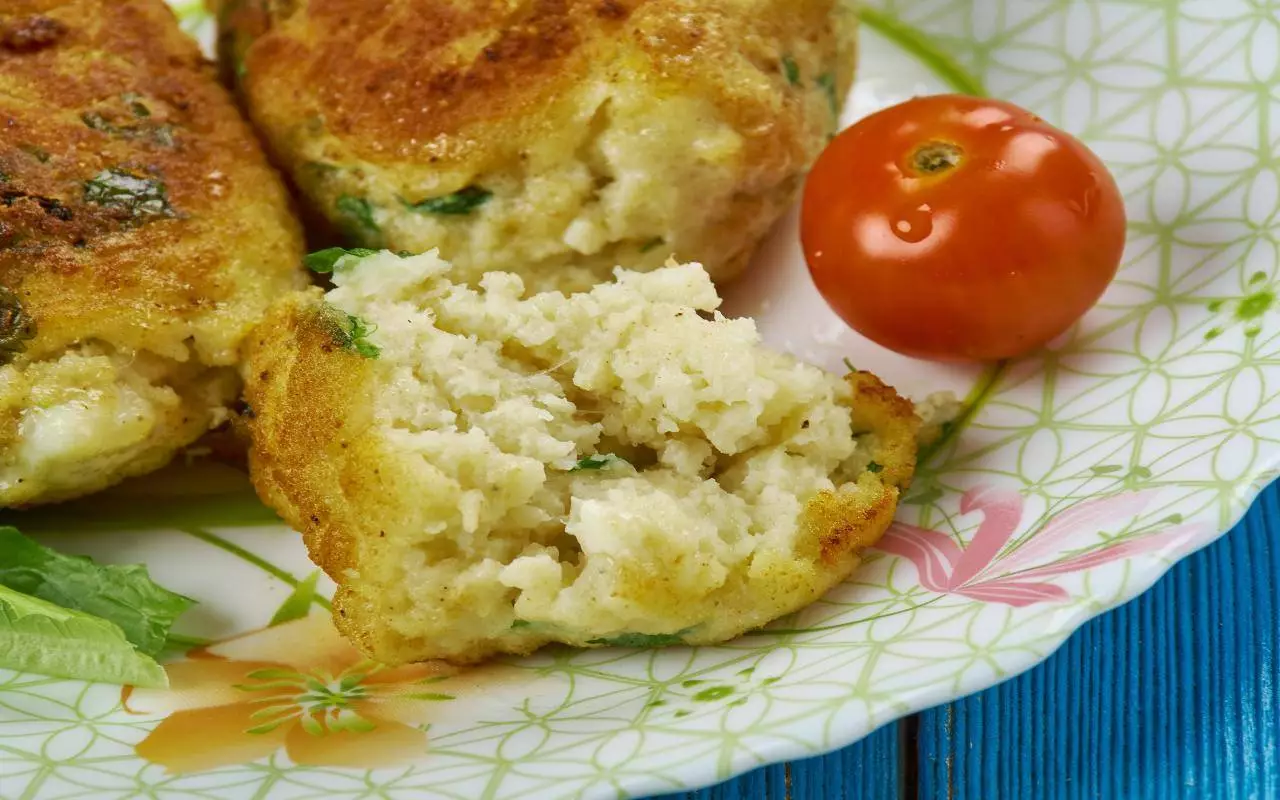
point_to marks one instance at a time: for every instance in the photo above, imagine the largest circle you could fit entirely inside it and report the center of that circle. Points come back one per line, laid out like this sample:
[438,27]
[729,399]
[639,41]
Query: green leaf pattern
[1177,98]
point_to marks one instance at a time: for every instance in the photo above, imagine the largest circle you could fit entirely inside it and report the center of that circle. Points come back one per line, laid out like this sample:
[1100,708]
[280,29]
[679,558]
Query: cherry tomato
[960,228]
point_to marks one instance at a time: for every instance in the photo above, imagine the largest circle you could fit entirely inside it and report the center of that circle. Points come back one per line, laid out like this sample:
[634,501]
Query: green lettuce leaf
[123,596]
[40,637]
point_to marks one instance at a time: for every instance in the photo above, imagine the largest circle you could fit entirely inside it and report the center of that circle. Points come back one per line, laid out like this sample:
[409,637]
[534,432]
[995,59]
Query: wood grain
[868,769]
[1172,695]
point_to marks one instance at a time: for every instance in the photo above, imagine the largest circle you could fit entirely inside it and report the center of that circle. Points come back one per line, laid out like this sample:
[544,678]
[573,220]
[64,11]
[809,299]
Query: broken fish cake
[482,471]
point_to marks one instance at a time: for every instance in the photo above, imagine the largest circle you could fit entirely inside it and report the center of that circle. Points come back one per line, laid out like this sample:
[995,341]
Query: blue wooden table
[1176,694]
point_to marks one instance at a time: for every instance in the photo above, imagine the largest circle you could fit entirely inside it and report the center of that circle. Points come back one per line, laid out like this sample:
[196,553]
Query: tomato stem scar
[934,157]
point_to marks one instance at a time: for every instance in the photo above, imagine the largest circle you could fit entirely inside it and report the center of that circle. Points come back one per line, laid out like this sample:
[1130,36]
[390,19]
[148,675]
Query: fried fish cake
[554,138]
[142,235]
[484,472]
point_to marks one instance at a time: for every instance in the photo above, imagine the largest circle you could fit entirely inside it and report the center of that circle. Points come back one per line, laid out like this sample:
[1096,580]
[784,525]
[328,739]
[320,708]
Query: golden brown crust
[397,101]
[416,80]
[135,205]
[846,523]
[309,460]
[297,447]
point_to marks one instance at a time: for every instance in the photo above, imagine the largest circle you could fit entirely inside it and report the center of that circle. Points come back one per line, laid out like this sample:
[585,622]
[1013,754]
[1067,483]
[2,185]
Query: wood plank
[1173,695]
[869,770]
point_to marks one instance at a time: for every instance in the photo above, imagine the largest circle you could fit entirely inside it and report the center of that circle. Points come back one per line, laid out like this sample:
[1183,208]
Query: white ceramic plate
[1078,478]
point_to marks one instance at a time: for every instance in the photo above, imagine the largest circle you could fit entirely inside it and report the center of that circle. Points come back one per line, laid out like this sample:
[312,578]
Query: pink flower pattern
[979,572]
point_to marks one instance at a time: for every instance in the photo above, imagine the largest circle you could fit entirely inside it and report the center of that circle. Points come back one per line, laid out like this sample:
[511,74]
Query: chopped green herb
[1105,469]
[849,365]
[1141,473]
[641,640]
[97,122]
[36,152]
[327,260]
[463,201]
[713,693]
[874,467]
[360,331]
[16,326]
[591,463]
[652,244]
[827,82]
[520,623]
[359,212]
[351,332]
[150,131]
[1257,278]
[143,197]
[124,596]
[162,135]
[791,69]
[136,105]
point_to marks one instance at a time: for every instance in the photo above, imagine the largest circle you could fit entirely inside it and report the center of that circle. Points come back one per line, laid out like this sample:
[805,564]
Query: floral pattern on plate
[1076,479]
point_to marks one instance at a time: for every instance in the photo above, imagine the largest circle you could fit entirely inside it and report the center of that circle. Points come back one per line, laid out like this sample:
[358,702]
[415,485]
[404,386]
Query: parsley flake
[791,69]
[594,463]
[144,198]
[328,260]
[36,152]
[358,211]
[827,82]
[145,130]
[461,202]
[16,326]
[351,332]
[642,640]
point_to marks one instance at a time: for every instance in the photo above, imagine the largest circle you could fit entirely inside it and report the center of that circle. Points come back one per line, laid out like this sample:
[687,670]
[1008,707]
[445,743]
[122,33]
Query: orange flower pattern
[298,686]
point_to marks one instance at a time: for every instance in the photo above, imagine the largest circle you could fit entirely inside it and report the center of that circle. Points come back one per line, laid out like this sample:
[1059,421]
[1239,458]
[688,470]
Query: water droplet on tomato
[914,225]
